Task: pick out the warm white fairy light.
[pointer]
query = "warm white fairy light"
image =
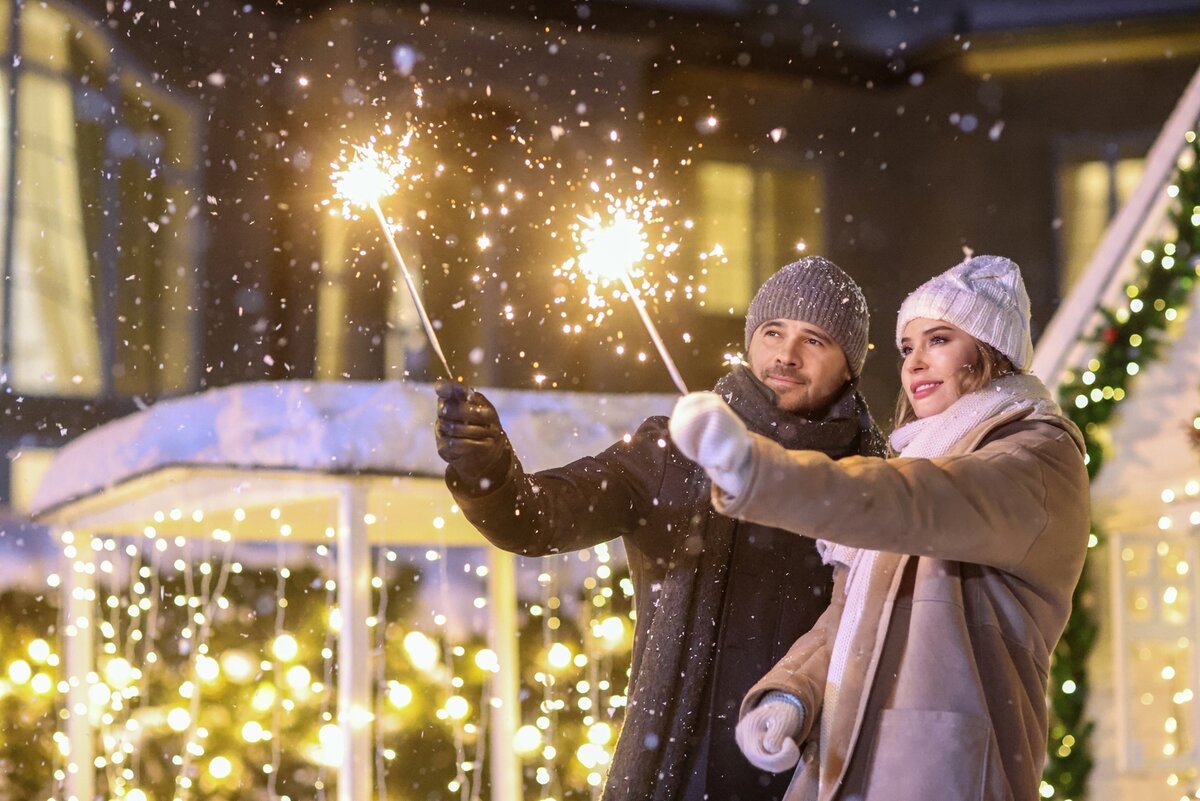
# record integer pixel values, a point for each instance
(528, 740)
(559, 656)
(205, 603)
(399, 695)
(1164, 673)
(422, 651)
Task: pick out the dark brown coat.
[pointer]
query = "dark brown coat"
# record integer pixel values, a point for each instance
(717, 601)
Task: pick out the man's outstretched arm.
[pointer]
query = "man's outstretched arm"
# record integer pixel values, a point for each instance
(589, 501)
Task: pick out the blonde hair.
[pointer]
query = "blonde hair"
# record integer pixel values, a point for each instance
(989, 365)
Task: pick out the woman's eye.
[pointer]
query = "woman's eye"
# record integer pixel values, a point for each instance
(904, 351)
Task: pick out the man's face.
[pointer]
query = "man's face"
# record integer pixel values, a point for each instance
(801, 363)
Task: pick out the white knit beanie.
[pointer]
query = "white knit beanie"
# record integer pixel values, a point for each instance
(983, 296)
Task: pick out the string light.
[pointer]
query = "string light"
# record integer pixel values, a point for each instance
(167, 674)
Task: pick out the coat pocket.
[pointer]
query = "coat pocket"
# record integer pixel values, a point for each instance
(921, 755)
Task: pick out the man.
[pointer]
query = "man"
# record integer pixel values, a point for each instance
(718, 601)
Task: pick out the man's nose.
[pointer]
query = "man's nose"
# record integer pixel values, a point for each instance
(791, 354)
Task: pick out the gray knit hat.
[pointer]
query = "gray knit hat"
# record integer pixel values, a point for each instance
(983, 296)
(815, 290)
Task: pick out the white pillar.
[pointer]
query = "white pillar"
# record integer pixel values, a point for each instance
(506, 710)
(78, 605)
(354, 673)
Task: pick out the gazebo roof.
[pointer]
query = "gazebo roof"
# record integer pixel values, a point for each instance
(231, 457)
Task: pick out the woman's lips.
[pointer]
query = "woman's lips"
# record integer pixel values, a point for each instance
(921, 389)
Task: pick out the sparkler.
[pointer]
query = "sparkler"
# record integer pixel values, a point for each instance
(613, 250)
(361, 182)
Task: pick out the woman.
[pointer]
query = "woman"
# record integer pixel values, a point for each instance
(954, 563)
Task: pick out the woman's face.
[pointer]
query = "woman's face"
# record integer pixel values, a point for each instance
(937, 359)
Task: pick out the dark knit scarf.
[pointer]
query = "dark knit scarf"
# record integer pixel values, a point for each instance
(653, 753)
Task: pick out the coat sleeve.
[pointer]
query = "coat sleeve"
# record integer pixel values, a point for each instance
(589, 501)
(803, 670)
(988, 507)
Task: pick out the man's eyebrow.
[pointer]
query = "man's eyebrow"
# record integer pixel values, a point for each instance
(815, 333)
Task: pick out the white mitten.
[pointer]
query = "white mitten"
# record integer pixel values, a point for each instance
(767, 733)
(708, 432)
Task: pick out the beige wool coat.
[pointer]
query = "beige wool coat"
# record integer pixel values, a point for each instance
(944, 689)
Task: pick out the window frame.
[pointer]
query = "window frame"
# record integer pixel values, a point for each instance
(128, 82)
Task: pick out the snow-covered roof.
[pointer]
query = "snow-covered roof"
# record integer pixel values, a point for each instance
(249, 443)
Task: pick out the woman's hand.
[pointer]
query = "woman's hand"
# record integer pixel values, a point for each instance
(709, 433)
(767, 733)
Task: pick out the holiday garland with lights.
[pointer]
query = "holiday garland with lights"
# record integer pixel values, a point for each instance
(1127, 338)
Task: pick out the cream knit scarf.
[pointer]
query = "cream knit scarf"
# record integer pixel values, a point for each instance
(924, 438)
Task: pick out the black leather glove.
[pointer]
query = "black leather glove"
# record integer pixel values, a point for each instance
(469, 436)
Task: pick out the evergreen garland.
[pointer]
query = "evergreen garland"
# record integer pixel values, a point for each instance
(1127, 339)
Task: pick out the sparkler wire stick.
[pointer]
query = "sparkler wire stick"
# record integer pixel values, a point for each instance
(653, 331)
(361, 181)
(412, 289)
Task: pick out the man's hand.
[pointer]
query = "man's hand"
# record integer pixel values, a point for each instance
(767, 733)
(709, 433)
(469, 435)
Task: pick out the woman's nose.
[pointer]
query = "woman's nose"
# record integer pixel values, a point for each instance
(914, 362)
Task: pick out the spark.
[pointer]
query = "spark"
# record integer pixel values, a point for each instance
(369, 175)
(614, 250)
(613, 247)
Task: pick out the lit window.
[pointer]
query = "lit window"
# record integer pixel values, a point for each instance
(1090, 192)
(762, 219)
(100, 264)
